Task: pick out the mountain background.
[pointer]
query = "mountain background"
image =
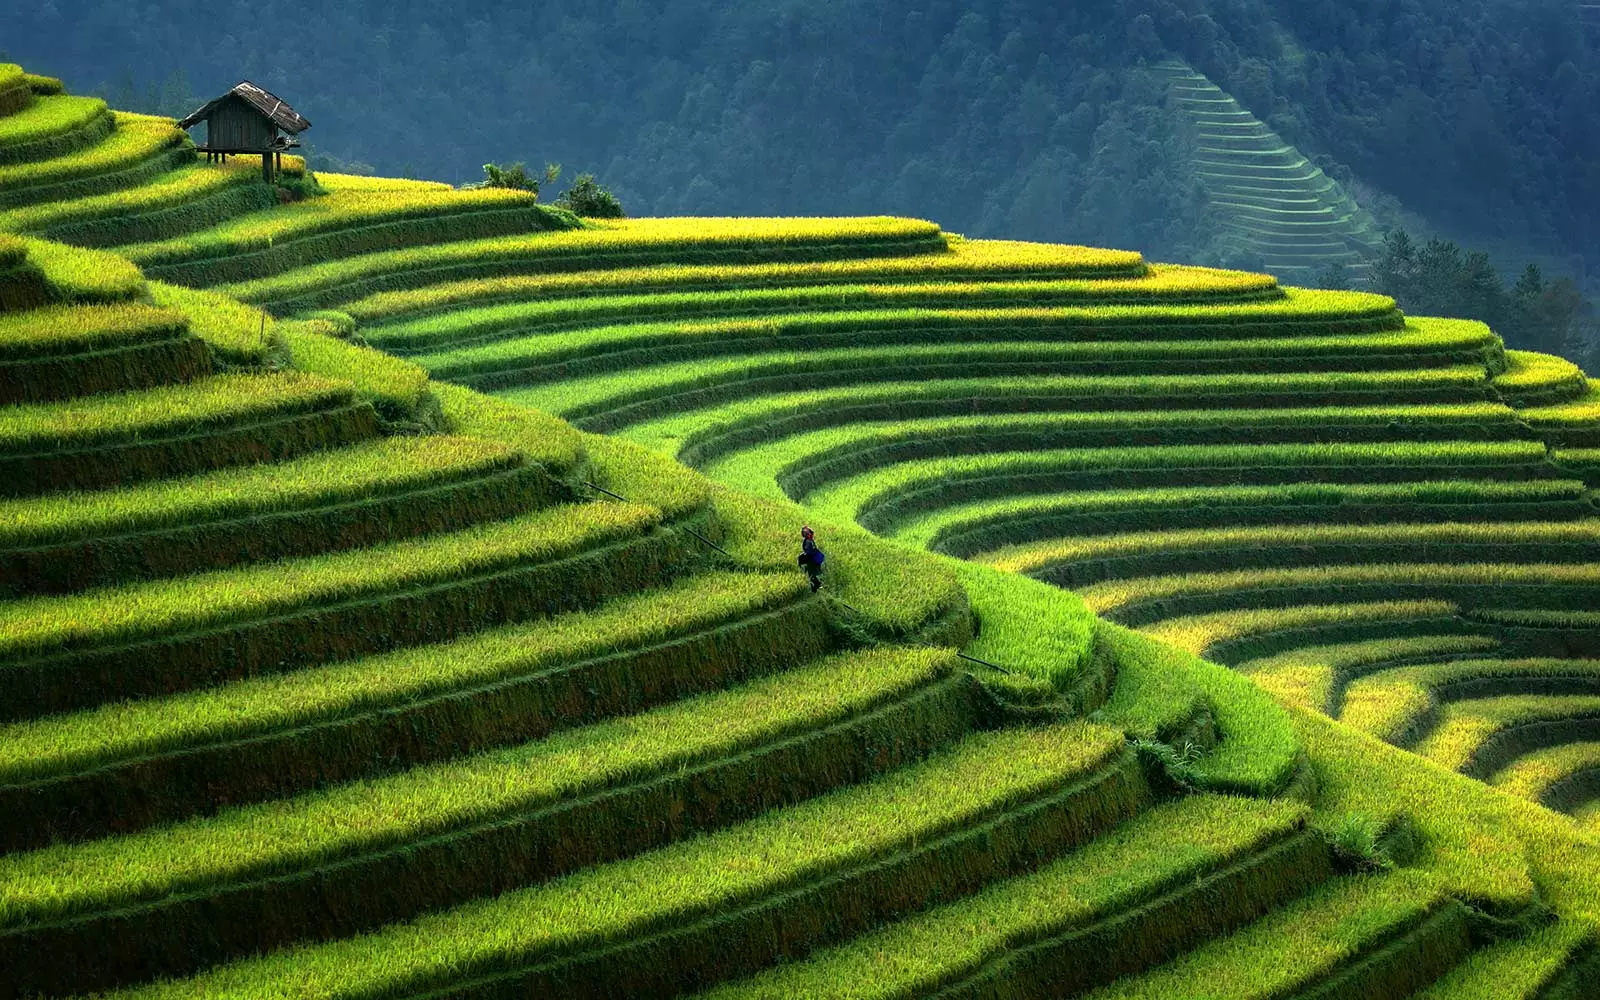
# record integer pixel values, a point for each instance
(1468, 119)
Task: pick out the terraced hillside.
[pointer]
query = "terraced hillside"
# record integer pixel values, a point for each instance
(1279, 207)
(328, 675)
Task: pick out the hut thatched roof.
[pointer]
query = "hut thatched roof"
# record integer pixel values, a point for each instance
(262, 100)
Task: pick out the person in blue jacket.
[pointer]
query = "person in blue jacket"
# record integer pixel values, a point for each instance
(811, 558)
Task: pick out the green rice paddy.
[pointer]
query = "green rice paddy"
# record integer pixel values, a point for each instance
(398, 598)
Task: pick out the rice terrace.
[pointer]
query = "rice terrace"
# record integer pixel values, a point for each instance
(399, 598)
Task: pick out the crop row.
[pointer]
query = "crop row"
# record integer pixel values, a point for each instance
(50, 128)
(177, 635)
(461, 327)
(695, 401)
(447, 833)
(807, 875)
(1479, 736)
(312, 830)
(70, 274)
(965, 261)
(1076, 562)
(1384, 935)
(280, 239)
(1112, 332)
(1248, 634)
(351, 227)
(595, 383)
(1402, 704)
(699, 436)
(187, 199)
(15, 93)
(98, 771)
(1128, 901)
(75, 329)
(1521, 584)
(1562, 778)
(370, 494)
(46, 626)
(140, 364)
(140, 149)
(319, 478)
(989, 524)
(184, 409)
(1317, 676)
(633, 244)
(864, 484)
(1532, 379)
(855, 445)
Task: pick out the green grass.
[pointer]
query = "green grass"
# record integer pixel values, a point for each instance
(965, 261)
(15, 94)
(1532, 379)
(1315, 676)
(13, 251)
(316, 830)
(627, 244)
(74, 329)
(1205, 633)
(348, 474)
(921, 330)
(138, 139)
(1393, 704)
(238, 334)
(851, 493)
(74, 743)
(1164, 849)
(39, 626)
(777, 852)
(1157, 686)
(884, 590)
(46, 119)
(397, 388)
(168, 202)
(1465, 727)
(1521, 969)
(1293, 946)
(1574, 540)
(967, 528)
(1028, 628)
(464, 326)
(76, 275)
(1500, 583)
(1532, 775)
(542, 438)
(185, 409)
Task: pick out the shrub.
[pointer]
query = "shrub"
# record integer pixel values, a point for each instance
(588, 199)
(516, 178)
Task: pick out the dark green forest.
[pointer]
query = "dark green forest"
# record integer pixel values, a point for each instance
(1002, 118)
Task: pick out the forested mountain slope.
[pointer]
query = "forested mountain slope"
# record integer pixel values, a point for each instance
(1017, 119)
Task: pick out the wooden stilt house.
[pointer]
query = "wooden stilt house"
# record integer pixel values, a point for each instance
(251, 121)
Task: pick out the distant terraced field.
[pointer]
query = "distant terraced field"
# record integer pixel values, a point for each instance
(1276, 205)
(398, 599)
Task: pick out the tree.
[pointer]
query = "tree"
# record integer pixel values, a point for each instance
(1334, 276)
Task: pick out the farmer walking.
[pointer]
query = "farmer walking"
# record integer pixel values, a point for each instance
(811, 558)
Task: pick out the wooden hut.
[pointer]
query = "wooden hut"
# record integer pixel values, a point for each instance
(249, 120)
